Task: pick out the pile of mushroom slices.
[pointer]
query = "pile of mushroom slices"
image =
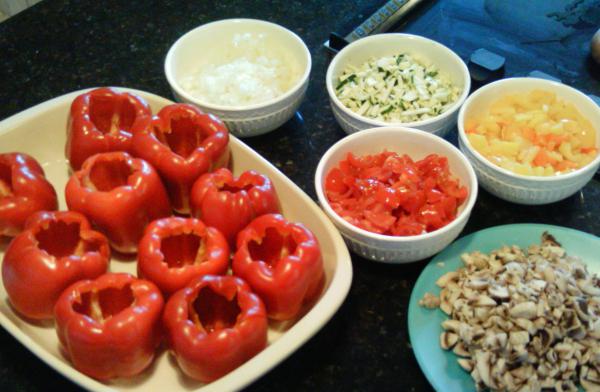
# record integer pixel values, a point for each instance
(523, 320)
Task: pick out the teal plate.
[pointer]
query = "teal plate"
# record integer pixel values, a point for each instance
(424, 325)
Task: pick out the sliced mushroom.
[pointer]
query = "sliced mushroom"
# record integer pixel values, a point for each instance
(483, 364)
(526, 325)
(448, 340)
(565, 386)
(548, 238)
(518, 338)
(549, 275)
(482, 300)
(446, 278)
(581, 308)
(537, 284)
(589, 379)
(429, 301)
(498, 292)
(461, 350)
(589, 288)
(451, 325)
(466, 364)
(522, 373)
(542, 340)
(526, 310)
(495, 341)
(478, 283)
(564, 350)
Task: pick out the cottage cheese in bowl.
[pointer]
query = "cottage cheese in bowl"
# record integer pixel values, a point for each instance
(251, 73)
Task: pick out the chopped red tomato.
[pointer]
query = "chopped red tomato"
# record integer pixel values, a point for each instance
(391, 194)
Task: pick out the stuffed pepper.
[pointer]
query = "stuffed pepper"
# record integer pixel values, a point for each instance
(182, 144)
(110, 327)
(174, 250)
(229, 203)
(214, 325)
(23, 190)
(119, 194)
(282, 262)
(104, 120)
(56, 249)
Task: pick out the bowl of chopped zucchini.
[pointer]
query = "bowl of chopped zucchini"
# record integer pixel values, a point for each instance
(397, 79)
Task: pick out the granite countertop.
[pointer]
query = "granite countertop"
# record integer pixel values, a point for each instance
(60, 46)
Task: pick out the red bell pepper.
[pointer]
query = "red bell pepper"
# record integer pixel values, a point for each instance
(104, 120)
(23, 191)
(182, 144)
(110, 327)
(229, 203)
(214, 325)
(282, 262)
(173, 251)
(120, 194)
(55, 250)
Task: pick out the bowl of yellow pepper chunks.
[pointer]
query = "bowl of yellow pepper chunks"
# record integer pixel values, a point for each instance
(530, 141)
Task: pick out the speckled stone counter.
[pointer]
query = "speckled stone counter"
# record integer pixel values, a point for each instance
(59, 46)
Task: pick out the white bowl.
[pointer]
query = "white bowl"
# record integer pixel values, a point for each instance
(417, 144)
(516, 188)
(381, 45)
(212, 44)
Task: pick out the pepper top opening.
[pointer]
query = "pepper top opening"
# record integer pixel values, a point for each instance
(273, 247)
(180, 250)
(106, 175)
(213, 312)
(235, 187)
(5, 179)
(103, 304)
(183, 136)
(62, 239)
(111, 114)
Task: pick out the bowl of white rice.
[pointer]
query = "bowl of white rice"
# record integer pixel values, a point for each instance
(250, 73)
(397, 80)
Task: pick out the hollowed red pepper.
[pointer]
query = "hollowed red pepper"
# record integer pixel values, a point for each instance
(229, 203)
(173, 251)
(214, 325)
(282, 262)
(104, 120)
(23, 191)
(56, 249)
(182, 144)
(110, 327)
(120, 194)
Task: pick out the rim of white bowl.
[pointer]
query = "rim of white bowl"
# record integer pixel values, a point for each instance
(212, 106)
(413, 124)
(320, 177)
(480, 158)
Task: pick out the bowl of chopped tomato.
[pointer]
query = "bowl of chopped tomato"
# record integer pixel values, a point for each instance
(396, 194)
(531, 141)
